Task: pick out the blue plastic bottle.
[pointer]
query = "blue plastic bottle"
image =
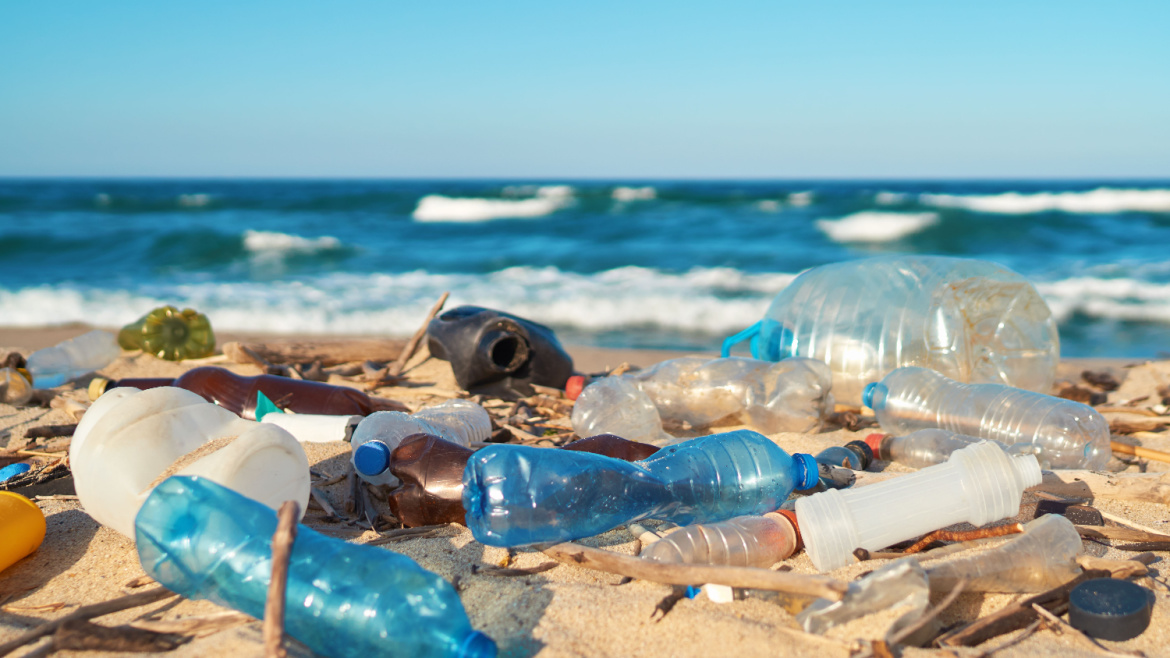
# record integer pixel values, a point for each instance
(519, 495)
(205, 541)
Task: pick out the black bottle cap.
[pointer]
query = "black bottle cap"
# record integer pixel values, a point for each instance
(1109, 609)
(863, 451)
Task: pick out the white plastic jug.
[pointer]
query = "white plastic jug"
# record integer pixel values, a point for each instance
(129, 438)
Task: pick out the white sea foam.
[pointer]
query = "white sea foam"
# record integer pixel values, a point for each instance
(194, 200)
(800, 198)
(634, 193)
(875, 226)
(1101, 200)
(439, 208)
(1119, 299)
(262, 242)
(890, 198)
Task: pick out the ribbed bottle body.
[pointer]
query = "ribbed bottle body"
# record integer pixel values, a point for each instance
(745, 541)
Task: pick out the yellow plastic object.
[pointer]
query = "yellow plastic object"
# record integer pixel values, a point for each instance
(170, 334)
(22, 528)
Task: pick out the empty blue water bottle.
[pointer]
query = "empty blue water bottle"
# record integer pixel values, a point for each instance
(520, 495)
(205, 541)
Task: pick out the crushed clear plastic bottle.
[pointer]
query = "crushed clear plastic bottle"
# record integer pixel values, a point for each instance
(520, 495)
(615, 405)
(204, 541)
(73, 358)
(972, 320)
(458, 421)
(1062, 433)
(745, 541)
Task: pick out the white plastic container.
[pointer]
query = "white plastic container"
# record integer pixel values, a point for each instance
(1062, 433)
(978, 485)
(314, 428)
(457, 421)
(72, 358)
(129, 438)
(972, 320)
(615, 405)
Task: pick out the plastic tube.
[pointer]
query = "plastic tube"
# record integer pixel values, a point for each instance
(979, 484)
(745, 541)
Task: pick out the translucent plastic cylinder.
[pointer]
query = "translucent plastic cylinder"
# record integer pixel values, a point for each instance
(73, 358)
(204, 541)
(971, 320)
(458, 421)
(1062, 433)
(928, 447)
(615, 405)
(745, 541)
(978, 485)
(520, 495)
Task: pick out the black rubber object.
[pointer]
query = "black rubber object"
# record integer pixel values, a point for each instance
(1109, 609)
(498, 353)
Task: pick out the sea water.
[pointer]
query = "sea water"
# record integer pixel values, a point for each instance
(669, 264)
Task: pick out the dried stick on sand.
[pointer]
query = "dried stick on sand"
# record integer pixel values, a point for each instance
(328, 352)
(394, 369)
(282, 542)
(694, 574)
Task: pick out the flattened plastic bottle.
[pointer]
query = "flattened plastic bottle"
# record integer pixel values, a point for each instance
(1062, 433)
(745, 541)
(72, 358)
(171, 334)
(205, 541)
(971, 320)
(520, 495)
(615, 405)
(459, 421)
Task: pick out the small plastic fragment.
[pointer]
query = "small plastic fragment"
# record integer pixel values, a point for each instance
(899, 584)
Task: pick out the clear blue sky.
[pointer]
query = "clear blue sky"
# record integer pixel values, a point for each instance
(585, 89)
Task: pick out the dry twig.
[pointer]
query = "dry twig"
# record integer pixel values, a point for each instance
(282, 542)
(963, 535)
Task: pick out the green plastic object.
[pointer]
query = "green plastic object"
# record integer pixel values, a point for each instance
(170, 334)
(264, 406)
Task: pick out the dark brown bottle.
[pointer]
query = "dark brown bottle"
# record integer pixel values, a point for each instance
(431, 471)
(237, 393)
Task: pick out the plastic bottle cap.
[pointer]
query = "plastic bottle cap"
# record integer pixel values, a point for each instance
(874, 441)
(867, 395)
(97, 386)
(12, 470)
(574, 386)
(810, 476)
(371, 458)
(1109, 609)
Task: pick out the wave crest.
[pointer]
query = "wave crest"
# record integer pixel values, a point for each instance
(1100, 200)
(876, 226)
(439, 208)
(268, 242)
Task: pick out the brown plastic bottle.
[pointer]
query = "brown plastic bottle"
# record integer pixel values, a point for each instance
(237, 393)
(431, 471)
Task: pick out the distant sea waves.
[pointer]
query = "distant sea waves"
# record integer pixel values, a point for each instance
(668, 264)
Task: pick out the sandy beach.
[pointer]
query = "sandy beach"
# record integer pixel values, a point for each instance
(564, 611)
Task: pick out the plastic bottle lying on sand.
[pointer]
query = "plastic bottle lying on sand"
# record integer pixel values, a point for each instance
(979, 484)
(72, 358)
(615, 405)
(1038, 560)
(171, 334)
(520, 495)
(129, 440)
(745, 541)
(459, 421)
(928, 447)
(1062, 433)
(972, 320)
(344, 600)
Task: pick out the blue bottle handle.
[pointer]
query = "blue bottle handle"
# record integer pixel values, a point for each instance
(752, 333)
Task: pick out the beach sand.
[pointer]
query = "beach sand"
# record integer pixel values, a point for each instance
(565, 611)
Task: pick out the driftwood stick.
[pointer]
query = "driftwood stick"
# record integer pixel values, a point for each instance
(395, 368)
(1124, 534)
(87, 612)
(328, 352)
(694, 574)
(1138, 451)
(282, 542)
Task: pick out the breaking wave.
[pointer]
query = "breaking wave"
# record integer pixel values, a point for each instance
(876, 226)
(1100, 200)
(439, 208)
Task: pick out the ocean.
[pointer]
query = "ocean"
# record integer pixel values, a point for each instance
(647, 264)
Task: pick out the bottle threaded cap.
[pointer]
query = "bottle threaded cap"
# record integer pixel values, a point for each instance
(97, 387)
(1109, 609)
(811, 475)
(371, 458)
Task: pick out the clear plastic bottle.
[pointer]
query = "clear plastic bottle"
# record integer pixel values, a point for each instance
(520, 495)
(971, 320)
(1062, 433)
(615, 405)
(205, 541)
(928, 447)
(15, 389)
(458, 421)
(789, 396)
(745, 541)
(72, 358)
(1040, 559)
(978, 484)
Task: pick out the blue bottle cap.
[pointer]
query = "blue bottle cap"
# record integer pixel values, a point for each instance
(371, 458)
(808, 477)
(12, 470)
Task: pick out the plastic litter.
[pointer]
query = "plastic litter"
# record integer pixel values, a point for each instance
(498, 353)
(22, 528)
(520, 495)
(1040, 559)
(745, 541)
(1110, 609)
(971, 320)
(344, 600)
(1061, 433)
(12, 470)
(458, 421)
(171, 334)
(15, 388)
(129, 439)
(431, 471)
(615, 405)
(979, 484)
(899, 584)
(306, 428)
(53, 366)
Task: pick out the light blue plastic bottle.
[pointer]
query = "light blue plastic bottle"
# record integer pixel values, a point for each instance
(520, 495)
(205, 541)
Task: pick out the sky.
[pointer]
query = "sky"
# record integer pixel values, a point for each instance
(599, 89)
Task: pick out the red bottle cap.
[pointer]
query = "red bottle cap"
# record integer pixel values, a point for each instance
(574, 386)
(874, 441)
